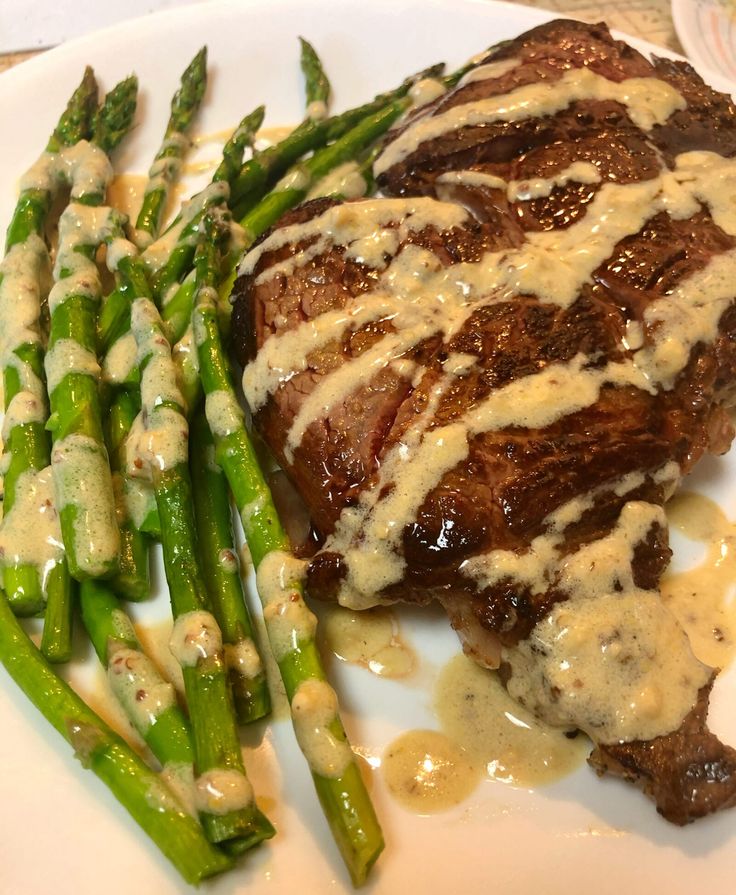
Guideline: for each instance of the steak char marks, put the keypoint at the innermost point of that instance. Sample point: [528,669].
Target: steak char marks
[485,387]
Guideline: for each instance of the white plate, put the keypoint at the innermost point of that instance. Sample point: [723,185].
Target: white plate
[707,31]
[60,830]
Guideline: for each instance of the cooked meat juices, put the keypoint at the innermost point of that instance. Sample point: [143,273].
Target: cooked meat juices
[486,385]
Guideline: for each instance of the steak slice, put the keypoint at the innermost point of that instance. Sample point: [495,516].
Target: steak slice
[485,389]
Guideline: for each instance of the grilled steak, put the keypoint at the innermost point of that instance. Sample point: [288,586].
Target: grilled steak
[486,387]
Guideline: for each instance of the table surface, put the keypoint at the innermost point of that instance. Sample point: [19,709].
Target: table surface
[649,19]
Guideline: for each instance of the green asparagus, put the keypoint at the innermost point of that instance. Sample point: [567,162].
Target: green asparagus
[79,460]
[147,699]
[33,586]
[196,641]
[289,623]
[316,84]
[166,166]
[141,792]
[220,564]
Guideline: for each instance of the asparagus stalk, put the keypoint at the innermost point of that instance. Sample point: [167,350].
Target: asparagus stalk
[166,166]
[289,622]
[219,559]
[115,115]
[24,274]
[316,83]
[135,501]
[148,700]
[178,318]
[134,785]
[79,459]
[196,640]
[179,261]
[39,185]
[131,580]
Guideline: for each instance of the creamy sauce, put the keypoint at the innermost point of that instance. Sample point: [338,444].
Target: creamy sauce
[649,101]
[23,273]
[317,110]
[344,182]
[195,637]
[161,442]
[222,790]
[140,500]
[139,687]
[24,408]
[243,658]
[125,193]
[370,638]
[82,479]
[701,598]
[508,743]
[30,532]
[426,91]
[65,357]
[100,698]
[426,771]
[314,714]
[489,71]
[179,777]
[154,640]
[186,362]
[619,665]
[84,167]
[81,227]
[523,190]
[227,559]
[120,360]
[158,253]
[289,620]
[223,413]
[167,165]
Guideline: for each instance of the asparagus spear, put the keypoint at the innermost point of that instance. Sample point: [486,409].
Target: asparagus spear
[220,565]
[115,115]
[79,459]
[40,182]
[22,289]
[316,83]
[289,622]
[134,785]
[196,639]
[166,166]
[179,261]
[135,501]
[147,699]
[131,580]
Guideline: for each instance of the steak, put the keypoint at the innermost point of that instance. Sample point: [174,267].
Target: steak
[485,385]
